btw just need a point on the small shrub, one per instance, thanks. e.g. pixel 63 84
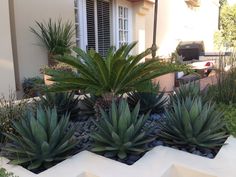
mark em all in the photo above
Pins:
pixel 191 123
pixel 32 86
pixel 153 100
pixel 11 109
pixel 224 91
pixel 4 173
pixel 229 117
pixel 65 103
pixel 41 140
pixel 121 132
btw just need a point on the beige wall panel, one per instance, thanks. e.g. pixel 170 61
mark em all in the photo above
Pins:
pixel 32 57
pixel 7 78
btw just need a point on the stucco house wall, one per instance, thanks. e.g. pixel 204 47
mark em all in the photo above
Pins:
pixel 176 22
pixel 7 77
pixel 30 56
pixel 179 22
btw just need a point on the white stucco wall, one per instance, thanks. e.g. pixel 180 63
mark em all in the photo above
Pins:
pixel 7 78
pixel 176 22
pixel 32 57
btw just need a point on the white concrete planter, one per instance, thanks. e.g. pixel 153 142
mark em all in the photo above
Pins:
pixel 159 162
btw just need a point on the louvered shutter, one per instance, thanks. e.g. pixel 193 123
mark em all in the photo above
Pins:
pixel 103 26
pixel 90 25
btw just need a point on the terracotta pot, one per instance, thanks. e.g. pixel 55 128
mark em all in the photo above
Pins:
pixel 47 81
pixel 51 60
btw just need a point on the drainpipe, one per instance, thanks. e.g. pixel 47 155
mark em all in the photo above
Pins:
pixel 154 46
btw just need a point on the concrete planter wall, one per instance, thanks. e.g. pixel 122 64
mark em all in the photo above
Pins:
pixel 159 162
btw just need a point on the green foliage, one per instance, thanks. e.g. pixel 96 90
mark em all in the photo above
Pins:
pixel 192 90
pixel 120 131
pixel 229 117
pixel 117 73
pixel 55 36
pixel 11 109
pixel 192 123
pixel 64 102
pixel 153 100
pixel 227 22
pixel 41 140
pixel 4 173
pixel 224 91
pixel 32 86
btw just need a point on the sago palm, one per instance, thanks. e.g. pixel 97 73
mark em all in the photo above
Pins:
pixel 117 73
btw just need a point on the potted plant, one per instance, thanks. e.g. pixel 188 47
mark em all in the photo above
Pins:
pixel 55 36
pixel 58 67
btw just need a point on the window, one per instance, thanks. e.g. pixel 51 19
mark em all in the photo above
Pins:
pixel 77 29
pixel 123 25
pixel 102 23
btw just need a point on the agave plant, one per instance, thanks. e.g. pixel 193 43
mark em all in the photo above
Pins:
pixel 192 123
pixel 117 73
pixel 153 100
pixel 65 102
pixel 40 140
pixel 120 131
pixel 192 89
pixel 87 104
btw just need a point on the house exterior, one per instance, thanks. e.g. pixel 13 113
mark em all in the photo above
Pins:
pixel 99 25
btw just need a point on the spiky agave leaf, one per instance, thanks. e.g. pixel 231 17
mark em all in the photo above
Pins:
pixel 193 123
pixel 152 100
pixel 191 89
pixel 41 139
pixel 121 131
pixel 65 103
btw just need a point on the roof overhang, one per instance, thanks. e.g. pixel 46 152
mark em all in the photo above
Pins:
pixel 152 1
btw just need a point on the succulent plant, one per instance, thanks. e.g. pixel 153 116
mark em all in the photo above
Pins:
pixel 65 102
pixel 193 123
pixel 87 104
pixel 192 89
pixel 41 139
pixel 153 100
pixel 116 73
pixel 121 132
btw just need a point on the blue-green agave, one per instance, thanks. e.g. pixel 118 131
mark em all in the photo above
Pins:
pixel 40 139
pixel 121 132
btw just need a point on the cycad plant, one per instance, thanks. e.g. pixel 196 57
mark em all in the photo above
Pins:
pixel 41 140
pixel 152 100
pixel 192 123
pixel 121 132
pixel 64 102
pixel 117 73
pixel 55 36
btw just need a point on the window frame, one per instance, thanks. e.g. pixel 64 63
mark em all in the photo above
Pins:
pixel 114 24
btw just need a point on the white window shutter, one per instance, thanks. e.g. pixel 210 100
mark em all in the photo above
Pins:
pixel 103 26
pixel 90 25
